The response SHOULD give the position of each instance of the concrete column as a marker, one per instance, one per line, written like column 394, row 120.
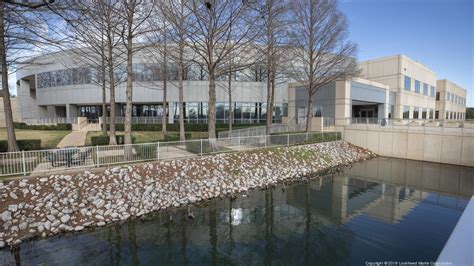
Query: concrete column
column 343, row 102
column 71, row 110
column 51, row 111
column 171, row 112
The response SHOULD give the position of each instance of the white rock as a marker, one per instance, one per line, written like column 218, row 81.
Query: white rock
column 78, row 228
column 65, row 218
column 6, row 216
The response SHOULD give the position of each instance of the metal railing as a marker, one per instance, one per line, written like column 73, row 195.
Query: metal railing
column 158, row 120
column 412, row 123
column 53, row 160
column 260, row 130
column 50, row 121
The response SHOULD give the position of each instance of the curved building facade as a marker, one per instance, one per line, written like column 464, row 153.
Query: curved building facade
column 61, row 85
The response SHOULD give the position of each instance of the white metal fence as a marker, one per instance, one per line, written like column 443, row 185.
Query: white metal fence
column 50, row 121
column 411, row 123
column 41, row 161
column 195, row 120
column 260, row 130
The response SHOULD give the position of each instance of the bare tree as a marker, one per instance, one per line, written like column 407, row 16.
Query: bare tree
column 276, row 23
column 20, row 30
column 93, row 27
column 221, row 28
column 321, row 53
column 177, row 14
column 135, row 13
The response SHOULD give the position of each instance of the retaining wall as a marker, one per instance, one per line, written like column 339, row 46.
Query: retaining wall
column 432, row 144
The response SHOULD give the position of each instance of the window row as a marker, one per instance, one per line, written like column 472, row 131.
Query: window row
column 142, row 72
column 455, row 115
column 428, row 90
column 242, row 112
column 63, row 77
column 411, row 112
column 451, row 97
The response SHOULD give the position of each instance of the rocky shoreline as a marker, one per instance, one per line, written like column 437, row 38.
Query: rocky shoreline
column 47, row 205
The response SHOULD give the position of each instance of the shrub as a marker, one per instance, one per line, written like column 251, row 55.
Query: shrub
column 43, row 127
column 187, row 127
column 175, row 136
column 23, row 145
column 195, row 147
column 104, row 140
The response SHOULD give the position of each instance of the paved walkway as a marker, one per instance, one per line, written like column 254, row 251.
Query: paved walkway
column 75, row 138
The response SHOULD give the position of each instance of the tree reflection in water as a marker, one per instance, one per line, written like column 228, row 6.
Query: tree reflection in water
column 393, row 209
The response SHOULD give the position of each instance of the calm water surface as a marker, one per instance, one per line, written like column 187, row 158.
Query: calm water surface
column 378, row 210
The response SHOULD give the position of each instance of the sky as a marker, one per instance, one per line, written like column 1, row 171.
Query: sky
column 437, row 33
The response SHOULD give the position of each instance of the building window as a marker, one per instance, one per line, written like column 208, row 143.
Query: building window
column 432, row 94
column 318, row 111
column 436, row 114
column 417, row 86
column 416, row 113
column 430, row 114
column 406, row 112
column 407, row 83
column 447, row 114
column 425, row 89
column 437, row 95
column 423, row 113
column 448, row 96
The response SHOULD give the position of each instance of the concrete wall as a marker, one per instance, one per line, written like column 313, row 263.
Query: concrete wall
column 15, row 110
column 432, row 144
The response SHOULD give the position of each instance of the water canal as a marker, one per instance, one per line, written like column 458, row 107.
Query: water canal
column 378, row 210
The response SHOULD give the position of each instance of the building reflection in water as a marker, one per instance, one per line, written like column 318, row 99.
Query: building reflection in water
column 376, row 206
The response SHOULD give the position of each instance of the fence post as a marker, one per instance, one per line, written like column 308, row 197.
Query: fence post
column 265, row 140
column 158, row 151
column 307, row 137
column 288, row 140
column 322, row 134
column 238, row 138
column 201, row 147
column 23, row 161
column 97, row 155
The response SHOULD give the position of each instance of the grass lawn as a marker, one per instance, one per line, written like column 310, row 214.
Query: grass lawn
column 145, row 136
column 49, row 138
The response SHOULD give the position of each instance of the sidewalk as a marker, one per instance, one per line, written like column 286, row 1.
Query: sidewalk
column 75, row 138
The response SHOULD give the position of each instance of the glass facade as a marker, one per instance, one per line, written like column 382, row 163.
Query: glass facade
column 425, row 89
column 407, row 83
column 417, row 86
column 243, row 112
column 432, row 92
column 141, row 72
column 64, row 77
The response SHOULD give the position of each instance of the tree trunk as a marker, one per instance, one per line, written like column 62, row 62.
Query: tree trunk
column 269, row 121
column 230, row 116
column 129, row 92
column 104, row 99
column 112, row 133
column 309, row 113
column 211, row 117
column 11, row 137
column 180, row 89
column 164, row 121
